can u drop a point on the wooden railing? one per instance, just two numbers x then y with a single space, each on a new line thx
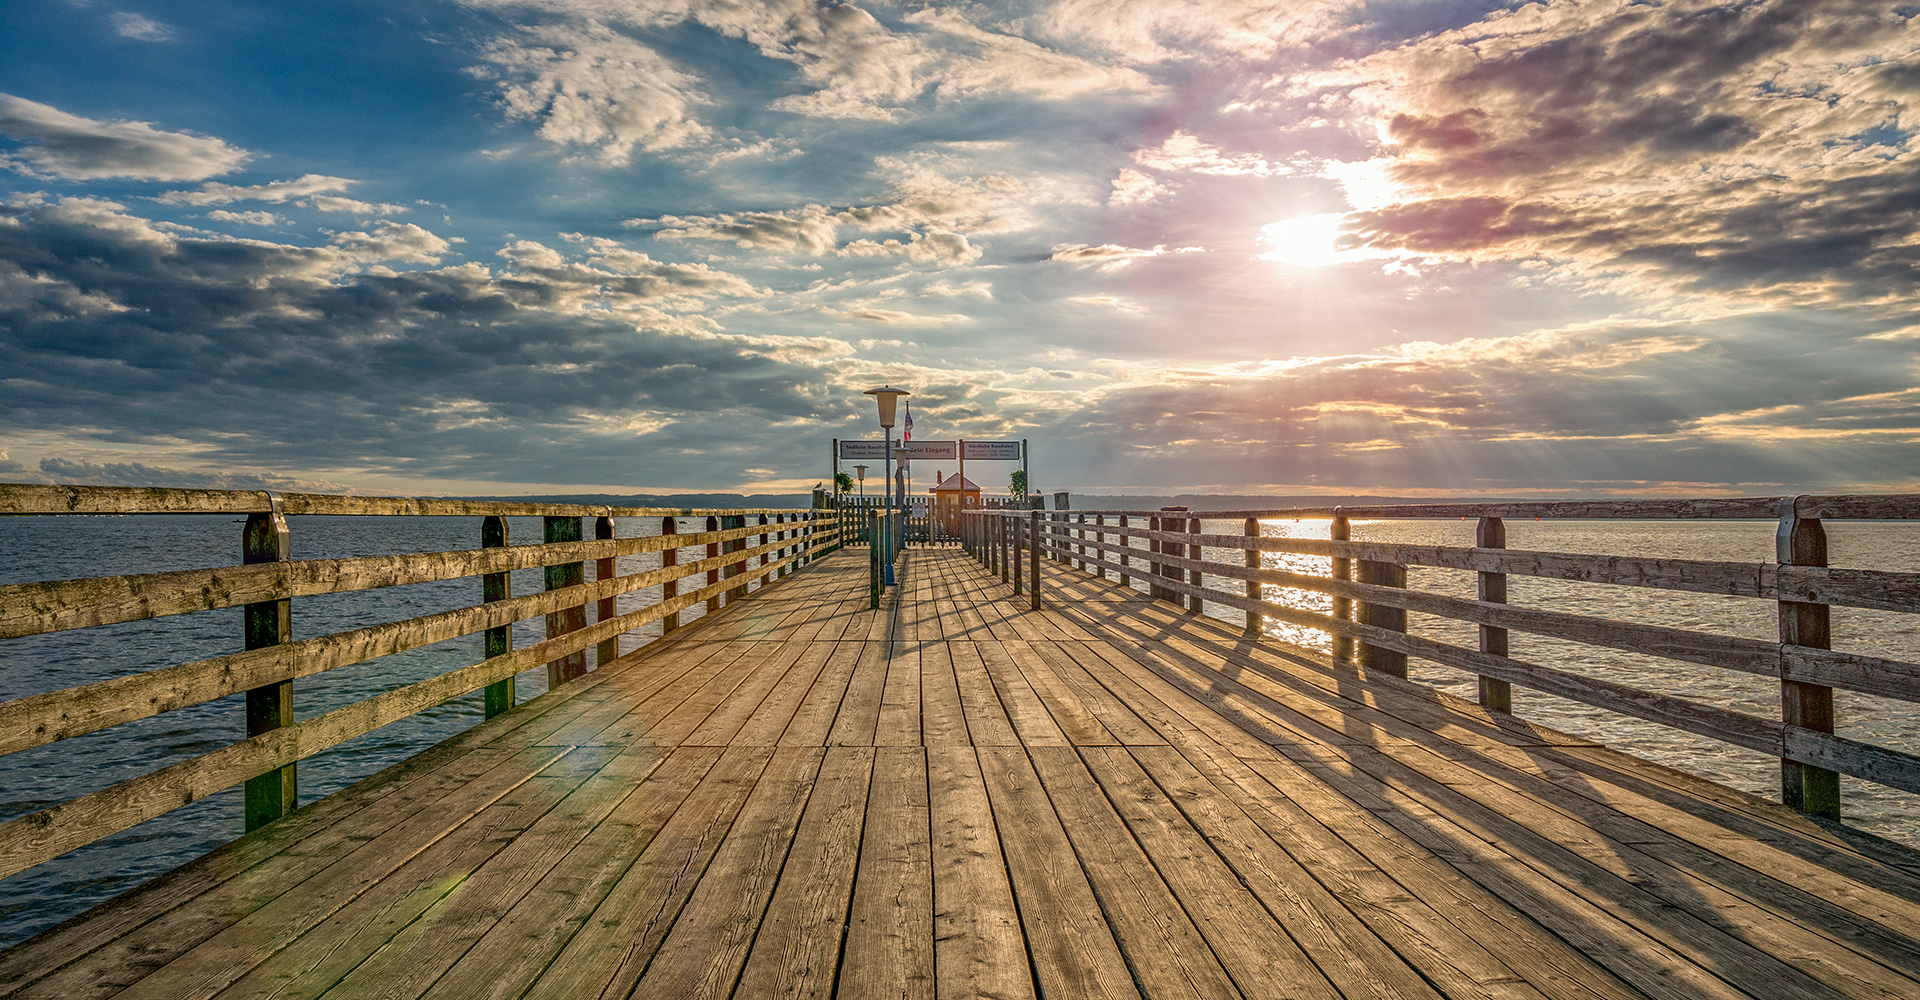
1367 623
733 550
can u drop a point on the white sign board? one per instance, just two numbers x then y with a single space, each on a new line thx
1008 451
875 451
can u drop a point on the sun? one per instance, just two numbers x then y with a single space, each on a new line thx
1306 241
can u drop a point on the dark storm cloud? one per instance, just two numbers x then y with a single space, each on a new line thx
325 357
1730 149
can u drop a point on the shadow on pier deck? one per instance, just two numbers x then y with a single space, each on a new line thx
956 796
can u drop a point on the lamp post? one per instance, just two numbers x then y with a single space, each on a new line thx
860 472
888 399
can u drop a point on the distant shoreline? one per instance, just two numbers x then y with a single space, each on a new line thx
1089 501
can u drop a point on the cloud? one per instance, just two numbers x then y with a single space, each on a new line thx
590 86
214 193
1739 151
1183 152
856 66
614 278
398 242
244 218
83 473
308 191
1142 32
943 248
812 229
69 147
1132 187
935 210
1111 256
967 289
12 471
140 28
1112 302
877 314
581 364
1596 408
328 203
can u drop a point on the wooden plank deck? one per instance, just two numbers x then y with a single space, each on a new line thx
955 796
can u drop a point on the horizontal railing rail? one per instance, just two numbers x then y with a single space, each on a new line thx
734 550
32 498
1171 555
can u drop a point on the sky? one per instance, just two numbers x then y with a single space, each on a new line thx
1416 247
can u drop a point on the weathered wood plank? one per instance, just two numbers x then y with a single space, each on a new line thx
1072 948
796 952
1166 952
404 942
701 957
530 933
979 948
609 952
859 717
901 712
258 902
891 941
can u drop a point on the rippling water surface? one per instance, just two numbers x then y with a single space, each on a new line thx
45 548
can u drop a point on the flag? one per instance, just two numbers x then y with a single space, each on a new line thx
906 435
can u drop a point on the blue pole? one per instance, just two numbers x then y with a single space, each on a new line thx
886 434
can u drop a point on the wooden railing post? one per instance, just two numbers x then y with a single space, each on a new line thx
603 569
1004 527
1341 569
1383 574
1802 541
713 552
573 665
873 559
765 554
269 623
1080 542
670 589
1033 583
1016 528
732 545
1195 577
1252 561
1496 695
499 639
1154 570
1126 553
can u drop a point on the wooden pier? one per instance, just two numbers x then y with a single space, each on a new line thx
960 795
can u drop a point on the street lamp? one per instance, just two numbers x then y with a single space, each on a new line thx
888 399
860 472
